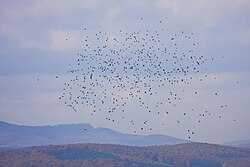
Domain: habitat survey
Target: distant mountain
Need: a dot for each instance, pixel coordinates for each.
(12, 135)
(239, 143)
(108, 155)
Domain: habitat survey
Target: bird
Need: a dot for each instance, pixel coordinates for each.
(110, 73)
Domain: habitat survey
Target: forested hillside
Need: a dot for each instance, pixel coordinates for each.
(96, 155)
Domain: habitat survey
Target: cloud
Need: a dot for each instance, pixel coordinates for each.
(220, 21)
(35, 24)
(208, 12)
(65, 40)
(40, 108)
(219, 79)
(245, 36)
(25, 100)
(21, 39)
(112, 13)
(47, 8)
(30, 25)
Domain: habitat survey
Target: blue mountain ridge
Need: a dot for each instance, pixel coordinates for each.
(238, 143)
(14, 136)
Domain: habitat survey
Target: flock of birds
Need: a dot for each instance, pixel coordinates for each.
(132, 72)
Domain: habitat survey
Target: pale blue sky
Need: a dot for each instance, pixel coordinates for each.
(32, 45)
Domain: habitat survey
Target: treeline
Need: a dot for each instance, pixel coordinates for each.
(93, 155)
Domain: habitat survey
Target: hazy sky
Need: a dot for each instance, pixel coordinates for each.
(33, 45)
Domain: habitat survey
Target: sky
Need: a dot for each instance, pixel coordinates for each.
(40, 40)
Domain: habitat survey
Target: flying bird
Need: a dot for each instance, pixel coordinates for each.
(111, 74)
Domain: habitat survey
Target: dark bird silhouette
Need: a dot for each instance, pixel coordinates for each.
(112, 73)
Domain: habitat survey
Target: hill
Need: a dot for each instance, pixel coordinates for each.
(13, 136)
(239, 143)
(107, 155)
